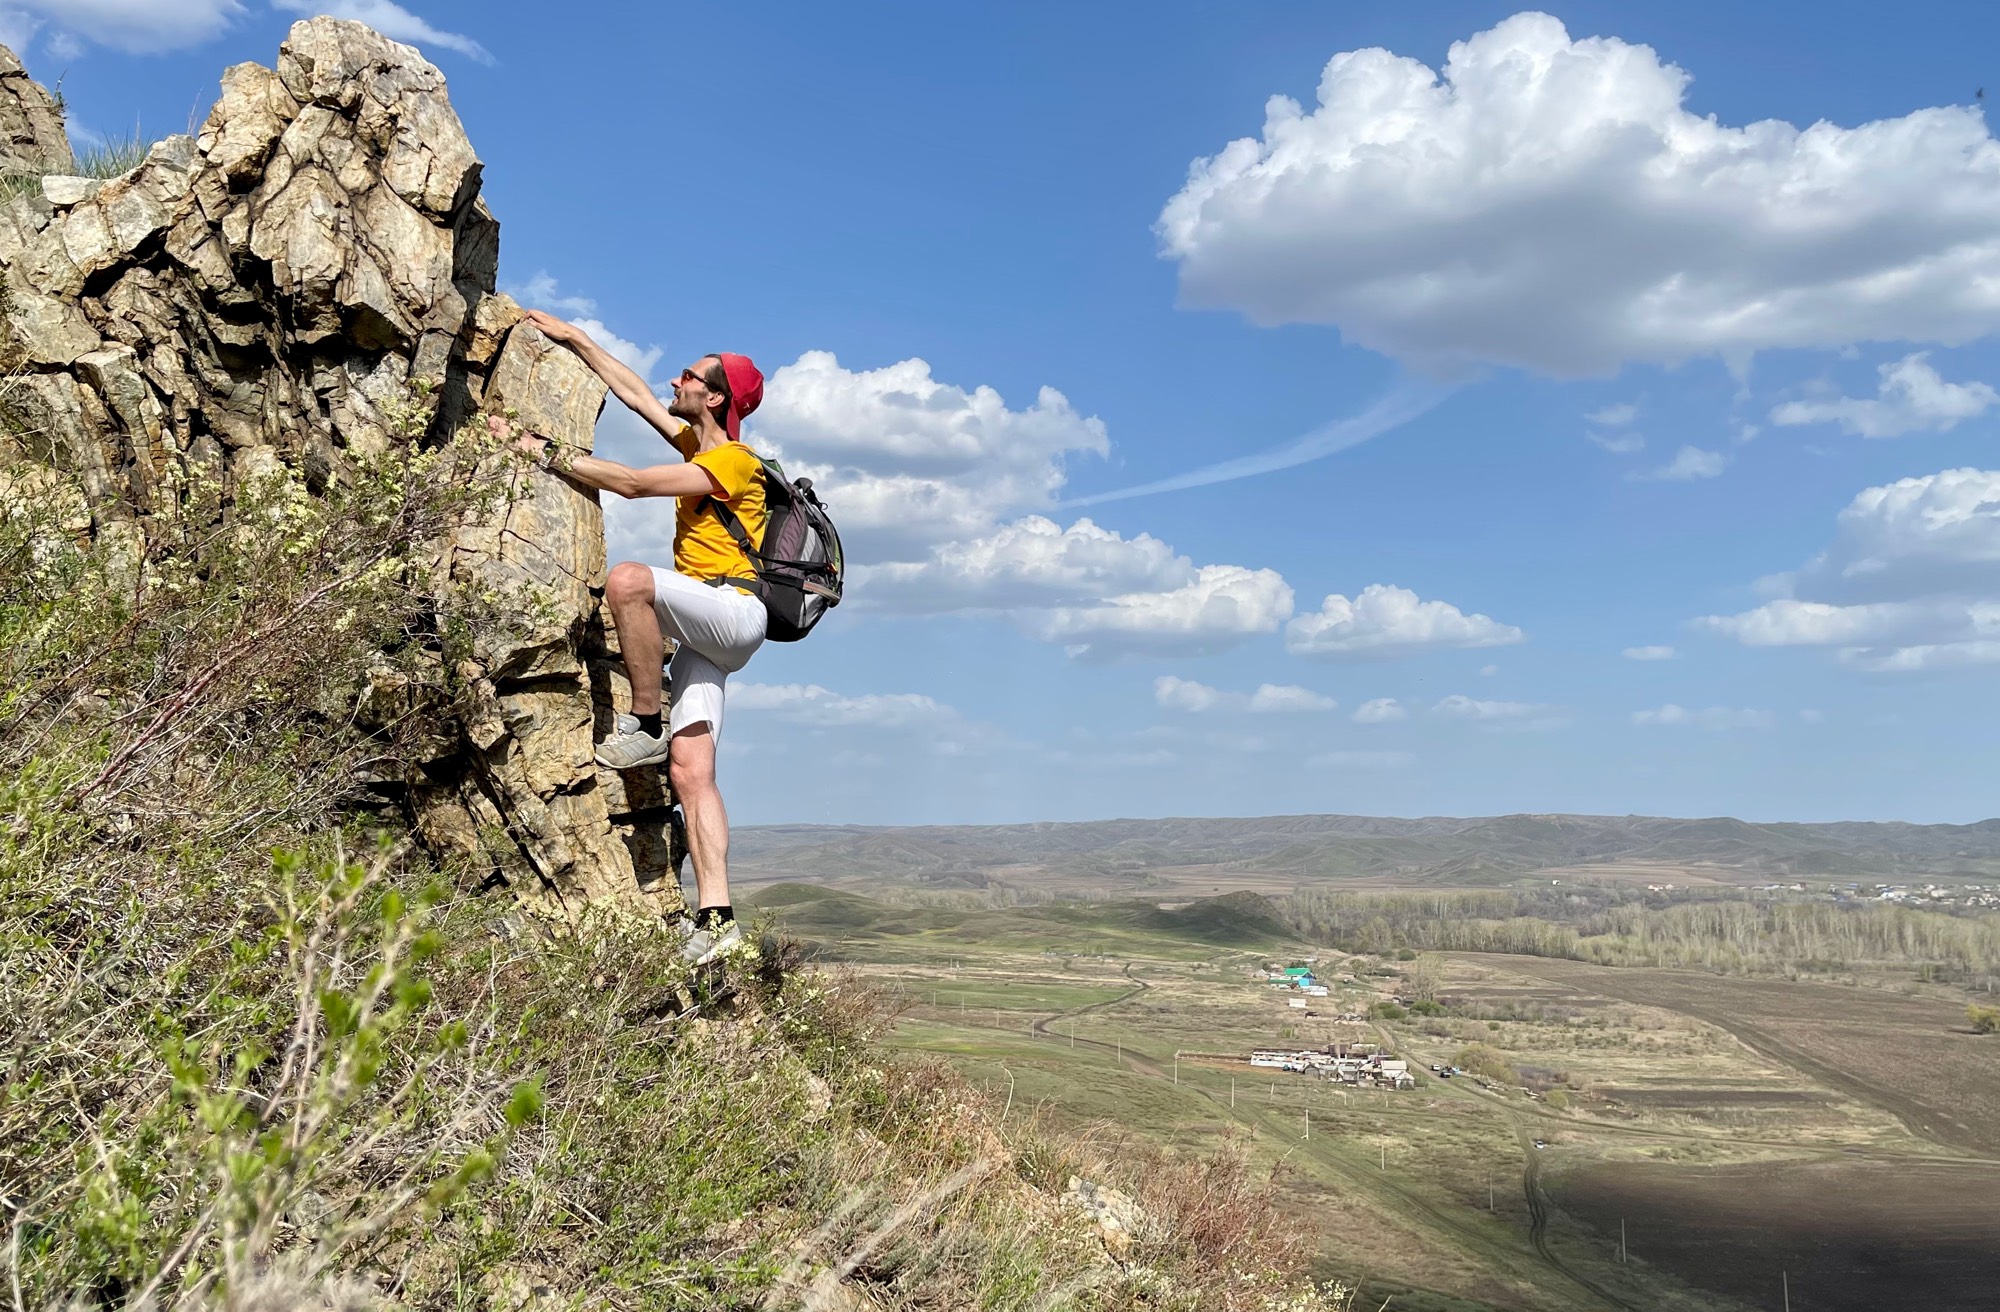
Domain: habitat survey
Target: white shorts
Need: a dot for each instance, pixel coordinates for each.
(715, 632)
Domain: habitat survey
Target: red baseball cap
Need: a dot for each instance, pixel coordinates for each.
(746, 390)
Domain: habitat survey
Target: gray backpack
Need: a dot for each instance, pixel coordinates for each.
(799, 564)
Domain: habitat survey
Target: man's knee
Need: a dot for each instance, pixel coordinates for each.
(691, 761)
(629, 582)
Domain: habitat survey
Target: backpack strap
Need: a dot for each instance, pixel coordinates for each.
(731, 523)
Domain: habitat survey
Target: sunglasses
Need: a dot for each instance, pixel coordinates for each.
(690, 376)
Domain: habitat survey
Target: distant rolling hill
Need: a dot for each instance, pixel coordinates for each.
(1157, 856)
(848, 924)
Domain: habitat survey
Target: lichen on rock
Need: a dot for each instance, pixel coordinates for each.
(264, 295)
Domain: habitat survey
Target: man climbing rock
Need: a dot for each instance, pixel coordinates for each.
(703, 603)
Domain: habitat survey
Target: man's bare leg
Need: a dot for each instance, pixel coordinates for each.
(629, 594)
(691, 770)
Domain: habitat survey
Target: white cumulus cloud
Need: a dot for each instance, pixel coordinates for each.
(1220, 607)
(1387, 621)
(1649, 653)
(392, 21)
(1717, 719)
(1910, 582)
(1088, 588)
(1912, 398)
(139, 27)
(1030, 562)
(1380, 710)
(1551, 203)
(1277, 698)
(917, 461)
(1176, 694)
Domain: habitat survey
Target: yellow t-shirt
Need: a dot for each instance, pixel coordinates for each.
(703, 548)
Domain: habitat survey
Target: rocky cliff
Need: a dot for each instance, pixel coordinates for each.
(264, 296)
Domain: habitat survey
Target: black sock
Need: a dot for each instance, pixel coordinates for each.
(649, 724)
(714, 917)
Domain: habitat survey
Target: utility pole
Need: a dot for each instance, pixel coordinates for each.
(1786, 1276)
(1072, 1034)
(1621, 1239)
(1309, 1125)
(1385, 1157)
(1232, 1093)
(1177, 1068)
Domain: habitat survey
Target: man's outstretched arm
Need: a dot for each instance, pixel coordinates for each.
(625, 384)
(688, 480)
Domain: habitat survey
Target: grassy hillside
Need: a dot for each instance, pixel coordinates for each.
(344, 1078)
(839, 924)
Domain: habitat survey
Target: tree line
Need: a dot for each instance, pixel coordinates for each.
(1611, 927)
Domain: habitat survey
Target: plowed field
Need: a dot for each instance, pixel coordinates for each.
(1848, 1236)
(1911, 1056)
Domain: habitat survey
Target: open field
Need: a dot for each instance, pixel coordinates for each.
(1844, 1236)
(1679, 1086)
(1911, 1056)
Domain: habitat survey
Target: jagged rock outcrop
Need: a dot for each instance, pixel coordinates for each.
(264, 295)
(32, 141)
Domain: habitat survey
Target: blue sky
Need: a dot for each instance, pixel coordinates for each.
(1678, 322)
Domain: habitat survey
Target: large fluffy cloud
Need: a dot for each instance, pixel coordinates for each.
(918, 461)
(1032, 562)
(1087, 588)
(1910, 582)
(1551, 203)
(1384, 620)
(1912, 398)
(1217, 609)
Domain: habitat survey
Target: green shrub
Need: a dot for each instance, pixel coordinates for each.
(1387, 1011)
(1984, 1020)
(1482, 1059)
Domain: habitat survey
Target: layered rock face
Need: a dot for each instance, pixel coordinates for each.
(263, 296)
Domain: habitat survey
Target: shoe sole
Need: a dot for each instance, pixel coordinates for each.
(656, 759)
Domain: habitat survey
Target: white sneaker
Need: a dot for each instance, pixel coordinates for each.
(628, 747)
(704, 946)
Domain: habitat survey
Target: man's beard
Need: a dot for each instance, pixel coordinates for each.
(685, 411)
